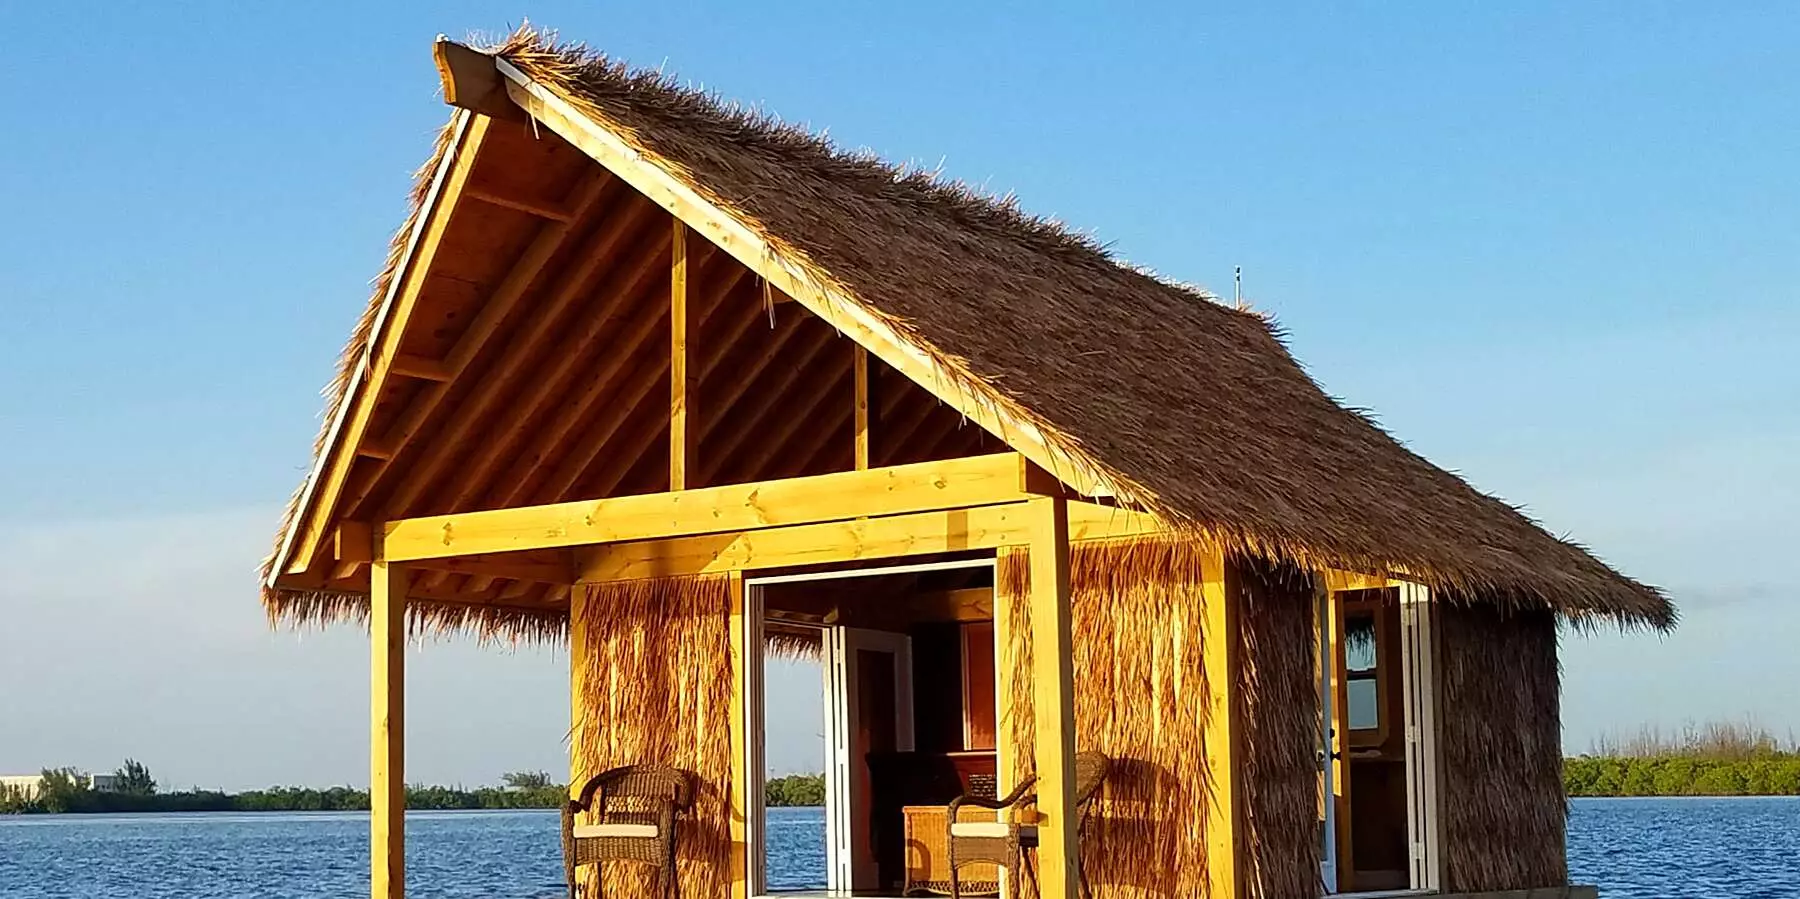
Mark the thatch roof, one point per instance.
(1182, 405)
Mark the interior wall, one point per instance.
(1500, 740)
(652, 681)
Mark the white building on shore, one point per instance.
(27, 785)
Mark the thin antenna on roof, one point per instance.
(1237, 286)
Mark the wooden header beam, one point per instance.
(923, 533)
(923, 486)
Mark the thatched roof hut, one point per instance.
(544, 357)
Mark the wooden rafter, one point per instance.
(516, 361)
(327, 478)
(843, 312)
(973, 481)
(748, 416)
(578, 459)
(492, 313)
(636, 315)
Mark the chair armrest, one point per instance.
(1017, 797)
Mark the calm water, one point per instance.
(1632, 848)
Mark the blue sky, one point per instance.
(1556, 249)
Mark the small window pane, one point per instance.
(1365, 708)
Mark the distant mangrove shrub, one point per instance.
(794, 790)
(1720, 758)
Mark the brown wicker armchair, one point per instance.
(634, 810)
(1003, 841)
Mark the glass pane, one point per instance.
(1359, 642)
(1364, 704)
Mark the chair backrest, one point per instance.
(636, 789)
(1090, 774)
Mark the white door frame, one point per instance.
(754, 723)
(1328, 860)
(1418, 665)
(845, 869)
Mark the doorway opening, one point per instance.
(905, 677)
(1378, 757)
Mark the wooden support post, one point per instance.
(862, 409)
(683, 434)
(737, 868)
(1053, 664)
(387, 733)
(1219, 645)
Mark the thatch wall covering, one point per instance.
(1502, 807)
(1278, 720)
(652, 683)
(1140, 682)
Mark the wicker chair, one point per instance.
(634, 810)
(1003, 841)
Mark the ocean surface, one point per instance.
(1631, 848)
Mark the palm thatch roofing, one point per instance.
(1178, 404)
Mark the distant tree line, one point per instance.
(1721, 758)
(794, 790)
(67, 790)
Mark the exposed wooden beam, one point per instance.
(354, 542)
(805, 420)
(781, 268)
(634, 314)
(387, 732)
(630, 399)
(974, 481)
(1220, 641)
(684, 434)
(470, 81)
(473, 339)
(861, 375)
(748, 416)
(349, 427)
(1053, 691)
(537, 569)
(521, 346)
(737, 865)
(954, 530)
(413, 366)
(529, 207)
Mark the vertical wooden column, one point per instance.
(387, 733)
(1224, 816)
(862, 409)
(1053, 667)
(738, 864)
(683, 433)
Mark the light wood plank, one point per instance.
(737, 869)
(517, 204)
(1224, 819)
(349, 427)
(1053, 688)
(387, 732)
(862, 408)
(557, 569)
(523, 345)
(413, 366)
(780, 267)
(893, 536)
(683, 434)
(952, 483)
